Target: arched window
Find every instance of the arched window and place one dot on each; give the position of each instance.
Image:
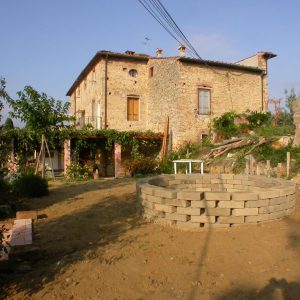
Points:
(133, 72)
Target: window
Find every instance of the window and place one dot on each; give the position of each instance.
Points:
(133, 109)
(204, 101)
(133, 72)
(151, 72)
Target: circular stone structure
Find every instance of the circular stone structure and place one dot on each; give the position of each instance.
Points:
(214, 200)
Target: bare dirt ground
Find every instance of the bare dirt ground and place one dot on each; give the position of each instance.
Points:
(95, 246)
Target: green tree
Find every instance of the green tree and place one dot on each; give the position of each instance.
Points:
(3, 94)
(8, 124)
(290, 99)
(40, 113)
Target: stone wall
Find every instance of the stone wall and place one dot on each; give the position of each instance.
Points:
(120, 85)
(226, 200)
(171, 91)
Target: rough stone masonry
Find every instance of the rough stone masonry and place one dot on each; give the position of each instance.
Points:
(214, 200)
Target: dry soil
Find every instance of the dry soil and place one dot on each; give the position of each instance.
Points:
(93, 245)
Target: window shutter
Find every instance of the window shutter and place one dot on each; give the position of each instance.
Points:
(132, 109)
(135, 109)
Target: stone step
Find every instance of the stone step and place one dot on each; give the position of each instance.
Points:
(21, 232)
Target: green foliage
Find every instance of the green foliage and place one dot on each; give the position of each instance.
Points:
(166, 164)
(8, 124)
(5, 191)
(145, 140)
(143, 165)
(30, 186)
(8, 201)
(225, 126)
(76, 171)
(267, 152)
(239, 164)
(257, 119)
(290, 99)
(286, 119)
(40, 113)
(3, 94)
(269, 131)
(187, 150)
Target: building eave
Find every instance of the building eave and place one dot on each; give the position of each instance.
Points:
(220, 64)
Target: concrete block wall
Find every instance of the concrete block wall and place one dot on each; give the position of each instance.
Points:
(215, 200)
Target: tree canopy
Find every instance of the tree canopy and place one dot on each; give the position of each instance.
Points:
(3, 94)
(40, 113)
(290, 99)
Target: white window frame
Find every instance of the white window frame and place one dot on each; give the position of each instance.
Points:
(204, 110)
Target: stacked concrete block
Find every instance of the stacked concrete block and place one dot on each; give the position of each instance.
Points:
(194, 201)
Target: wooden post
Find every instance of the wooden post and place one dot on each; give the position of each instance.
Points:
(257, 170)
(288, 163)
(164, 148)
(43, 157)
(50, 159)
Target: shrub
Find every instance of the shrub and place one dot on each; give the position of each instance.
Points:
(76, 171)
(269, 131)
(143, 165)
(8, 201)
(257, 119)
(5, 191)
(225, 126)
(166, 164)
(30, 186)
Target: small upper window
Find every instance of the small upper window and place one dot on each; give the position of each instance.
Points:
(133, 72)
(204, 101)
(151, 72)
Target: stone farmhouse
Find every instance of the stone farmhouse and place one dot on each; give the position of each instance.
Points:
(131, 91)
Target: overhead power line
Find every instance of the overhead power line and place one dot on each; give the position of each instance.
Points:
(163, 17)
(158, 11)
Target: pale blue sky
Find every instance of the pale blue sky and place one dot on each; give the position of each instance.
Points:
(46, 43)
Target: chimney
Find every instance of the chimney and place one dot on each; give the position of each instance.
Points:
(181, 49)
(129, 52)
(159, 52)
(262, 59)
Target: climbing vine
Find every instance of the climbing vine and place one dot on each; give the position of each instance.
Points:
(25, 140)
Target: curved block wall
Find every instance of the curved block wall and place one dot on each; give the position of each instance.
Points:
(214, 200)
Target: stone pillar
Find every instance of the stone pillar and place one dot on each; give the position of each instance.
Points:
(118, 160)
(67, 155)
(296, 108)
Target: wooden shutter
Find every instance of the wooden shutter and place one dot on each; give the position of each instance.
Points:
(204, 101)
(132, 109)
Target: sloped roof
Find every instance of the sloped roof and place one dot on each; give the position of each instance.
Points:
(130, 55)
(213, 63)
